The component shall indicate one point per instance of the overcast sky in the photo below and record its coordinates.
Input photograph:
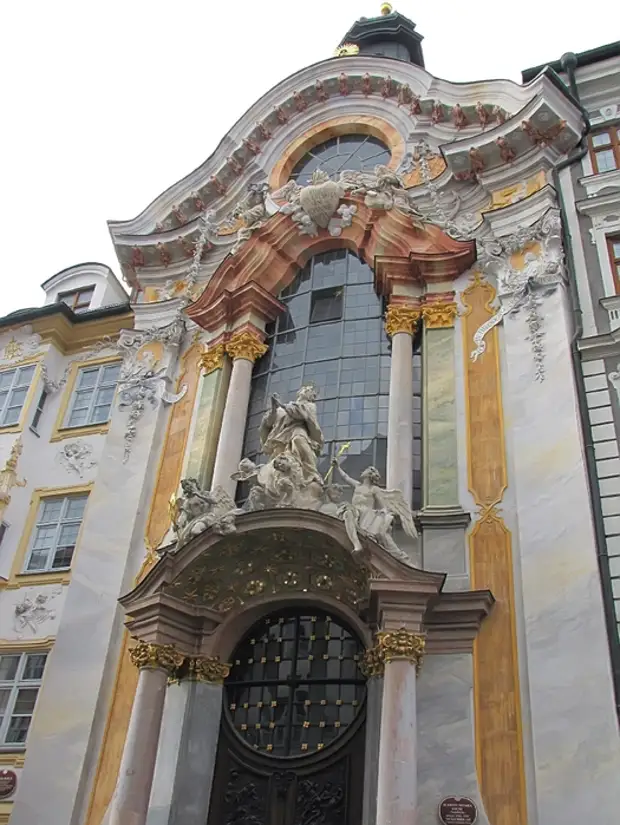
(107, 103)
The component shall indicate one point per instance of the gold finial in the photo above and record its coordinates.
(386, 8)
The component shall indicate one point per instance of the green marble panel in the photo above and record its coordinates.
(439, 417)
(208, 422)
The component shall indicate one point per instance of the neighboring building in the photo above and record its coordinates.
(369, 270)
(591, 199)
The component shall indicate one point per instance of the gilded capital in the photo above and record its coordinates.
(147, 656)
(245, 345)
(208, 669)
(373, 663)
(439, 315)
(401, 318)
(402, 644)
(212, 359)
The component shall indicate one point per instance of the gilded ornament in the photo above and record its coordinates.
(400, 318)
(402, 644)
(255, 587)
(208, 669)
(245, 345)
(212, 359)
(346, 49)
(439, 315)
(373, 663)
(13, 350)
(156, 657)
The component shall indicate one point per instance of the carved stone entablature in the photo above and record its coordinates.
(526, 266)
(192, 595)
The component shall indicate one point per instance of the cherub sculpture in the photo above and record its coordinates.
(372, 511)
(275, 484)
(197, 510)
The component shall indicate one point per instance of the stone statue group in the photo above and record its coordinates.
(291, 439)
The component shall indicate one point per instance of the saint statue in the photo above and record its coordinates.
(294, 428)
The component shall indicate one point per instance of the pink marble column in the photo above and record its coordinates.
(130, 803)
(400, 652)
(399, 324)
(244, 348)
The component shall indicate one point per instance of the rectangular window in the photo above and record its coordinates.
(605, 150)
(20, 681)
(93, 395)
(613, 245)
(78, 299)
(326, 305)
(55, 534)
(14, 386)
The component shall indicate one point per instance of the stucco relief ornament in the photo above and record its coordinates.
(316, 206)
(614, 380)
(30, 613)
(524, 290)
(20, 343)
(9, 477)
(141, 382)
(76, 457)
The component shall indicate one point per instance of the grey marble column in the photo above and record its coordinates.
(191, 795)
(397, 795)
(244, 348)
(130, 802)
(400, 321)
(374, 700)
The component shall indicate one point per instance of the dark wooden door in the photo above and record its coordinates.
(319, 789)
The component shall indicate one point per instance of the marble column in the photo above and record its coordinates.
(195, 765)
(400, 323)
(244, 348)
(130, 803)
(374, 701)
(400, 654)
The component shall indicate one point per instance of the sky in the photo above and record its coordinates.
(107, 103)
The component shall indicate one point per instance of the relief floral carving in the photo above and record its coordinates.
(31, 613)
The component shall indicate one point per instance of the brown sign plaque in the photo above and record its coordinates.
(8, 783)
(457, 810)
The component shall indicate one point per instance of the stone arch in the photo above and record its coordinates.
(398, 250)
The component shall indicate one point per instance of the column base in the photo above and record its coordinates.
(441, 517)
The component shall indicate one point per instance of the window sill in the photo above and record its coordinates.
(78, 432)
(596, 182)
(48, 577)
(14, 755)
(12, 428)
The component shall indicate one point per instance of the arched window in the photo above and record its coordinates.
(332, 335)
(353, 152)
(295, 685)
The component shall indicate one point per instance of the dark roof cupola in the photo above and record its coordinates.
(389, 35)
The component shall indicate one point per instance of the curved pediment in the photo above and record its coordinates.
(274, 552)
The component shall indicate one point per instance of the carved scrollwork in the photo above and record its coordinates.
(391, 646)
(146, 656)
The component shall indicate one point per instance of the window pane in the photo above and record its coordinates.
(35, 663)
(77, 418)
(62, 557)
(605, 160)
(87, 377)
(68, 535)
(4, 698)
(18, 729)
(110, 374)
(615, 246)
(44, 537)
(26, 699)
(18, 397)
(8, 668)
(75, 506)
(602, 139)
(105, 395)
(6, 379)
(100, 414)
(51, 509)
(37, 560)
(11, 416)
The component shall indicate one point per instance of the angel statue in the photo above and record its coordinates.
(372, 511)
(196, 510)
(294, 428)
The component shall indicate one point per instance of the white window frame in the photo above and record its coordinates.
(62, 521)
(16, 385)
(15, 686)
(99, 385)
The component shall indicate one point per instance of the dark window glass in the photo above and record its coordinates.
(295, 683)
(349, 152)
(332, 335)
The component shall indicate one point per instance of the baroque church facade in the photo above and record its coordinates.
(320, 525)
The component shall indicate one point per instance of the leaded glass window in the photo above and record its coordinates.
(295, 684)
(331, 335)
(357, 153)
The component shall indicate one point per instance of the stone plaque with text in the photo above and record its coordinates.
(8, 783)
(457, 810)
